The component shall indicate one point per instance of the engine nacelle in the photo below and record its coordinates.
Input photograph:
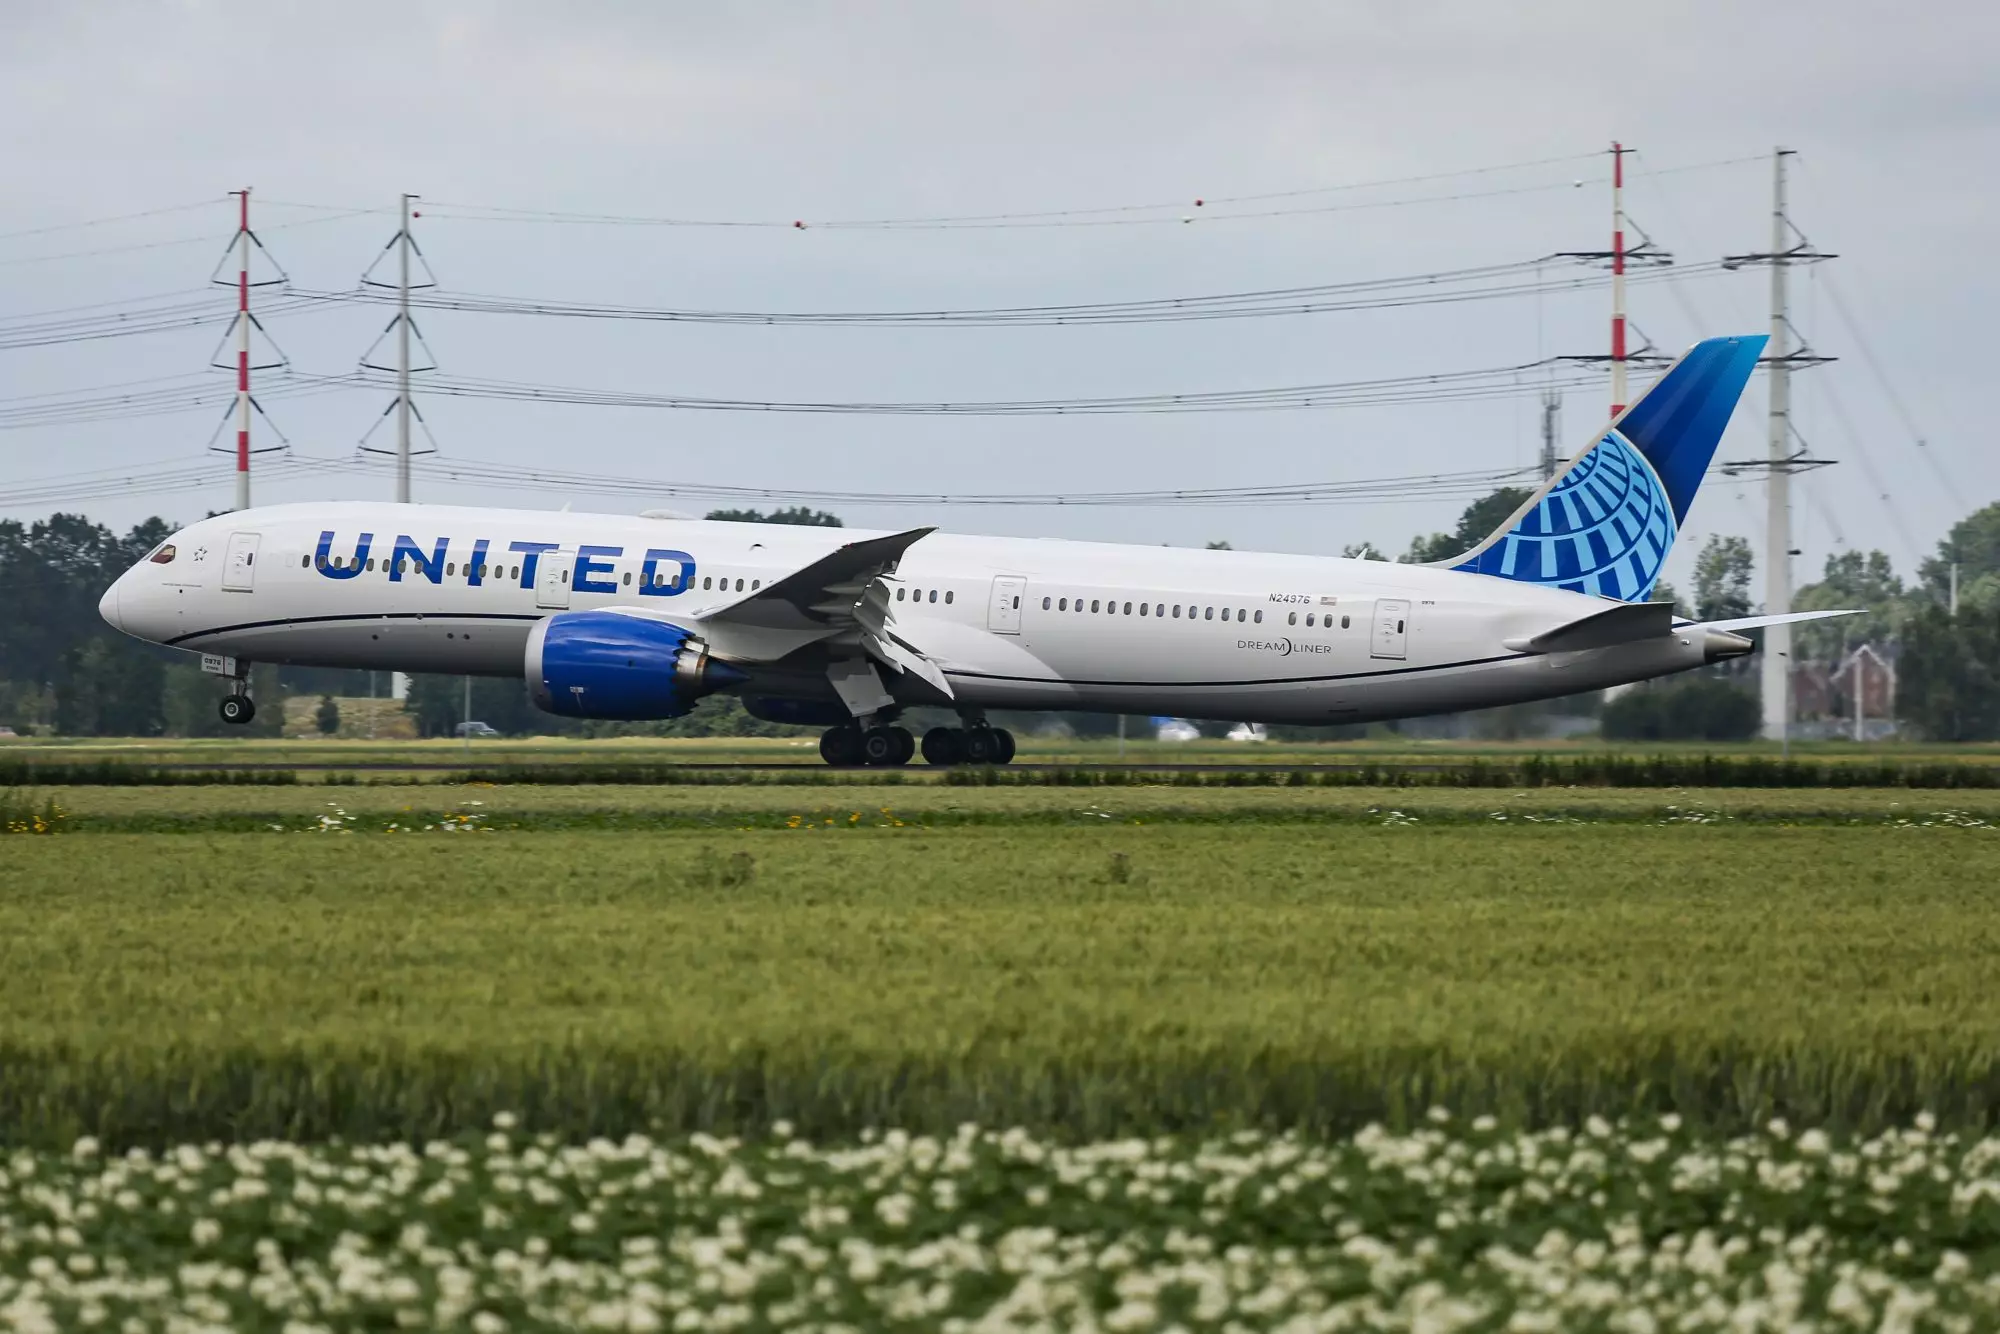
(620, 664)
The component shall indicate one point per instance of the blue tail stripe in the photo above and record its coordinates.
(1606, 524)
(1679, 422)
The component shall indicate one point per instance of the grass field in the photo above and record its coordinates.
(513, 1057)
(1143, 960)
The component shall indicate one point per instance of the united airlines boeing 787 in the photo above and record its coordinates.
(615, 617)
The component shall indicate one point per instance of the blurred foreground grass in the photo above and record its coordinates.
(1080, 980)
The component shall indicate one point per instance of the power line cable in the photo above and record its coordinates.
(108, 221)
(1896, 402)
(1496, 382)
(1492, 282)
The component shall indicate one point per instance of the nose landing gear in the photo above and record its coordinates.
(237, 708)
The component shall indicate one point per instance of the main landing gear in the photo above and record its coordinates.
(237, 708)
(851, 744)
(968, 745)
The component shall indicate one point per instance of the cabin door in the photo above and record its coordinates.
(1003, 612)
(239, 563)
(1391, 635)
(552, 579)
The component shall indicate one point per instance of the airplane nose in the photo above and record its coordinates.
(107, 607)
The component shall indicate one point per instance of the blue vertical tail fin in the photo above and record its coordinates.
(1606, 521)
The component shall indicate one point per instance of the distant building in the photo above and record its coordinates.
(1824, 694)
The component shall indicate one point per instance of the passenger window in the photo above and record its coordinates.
(514, 572)
(1241, 613)
(707, 582)
(1061, 606)
(1094, 604)
(756, 584)
(1309, 620)
(900, 592)
(739, 585)
(305, 562)
(1143, 609)
(947, 597)
(1177, 611)
(448, 564)
(1128, 609)
(1208, 614)
(1258, 618)
(1045, 604)
(322, 562)
(1291, 618)
(1343, 622)
(1159, 609)
(628, 578)
(932, 597)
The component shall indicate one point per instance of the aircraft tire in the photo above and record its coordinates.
(840, 746)
(883, 746)
(1006, 740)
(906, 745)
(237, 710)
(944, 746)
(982, 746)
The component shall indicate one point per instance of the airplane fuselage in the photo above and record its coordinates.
(1012, 623)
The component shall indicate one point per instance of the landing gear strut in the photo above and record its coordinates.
(978, 744)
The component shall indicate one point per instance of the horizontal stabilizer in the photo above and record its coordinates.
(1620, 624)
(1759, 622)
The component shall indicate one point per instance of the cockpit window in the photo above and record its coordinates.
(164, 555)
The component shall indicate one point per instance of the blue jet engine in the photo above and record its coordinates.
(620, 664)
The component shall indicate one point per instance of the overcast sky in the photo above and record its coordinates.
(774, 112)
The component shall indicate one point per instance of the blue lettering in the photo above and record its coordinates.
(585, 567)
(531, 552)
(680, 583)
(431, 567)
(347, 569)
(472, 575)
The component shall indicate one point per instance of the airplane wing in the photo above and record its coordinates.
(835, 599)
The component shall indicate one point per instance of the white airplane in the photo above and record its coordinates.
(616, 617)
